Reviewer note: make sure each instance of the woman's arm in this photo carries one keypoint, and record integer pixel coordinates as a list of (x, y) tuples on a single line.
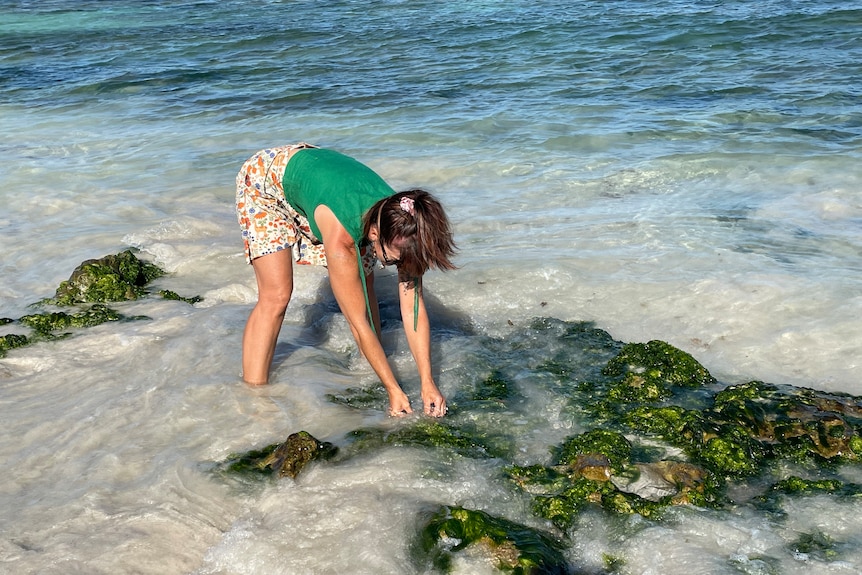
[(343, 264), (418, 331)]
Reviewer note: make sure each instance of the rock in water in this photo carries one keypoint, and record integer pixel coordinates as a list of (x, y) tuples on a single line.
[(296, 452), (512, 547), (285, 459), (118, 277)]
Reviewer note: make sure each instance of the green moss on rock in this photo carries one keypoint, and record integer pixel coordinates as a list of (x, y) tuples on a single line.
[(659, 361), (11, 341), (538, 479), (117, 277), (817, 545), (794, 419), (637, 388), (563, 508), (495, 388), (49, 322), (611, 444), (676, 425), (733, 453), (795, 485), (426, 433), (514, 548)]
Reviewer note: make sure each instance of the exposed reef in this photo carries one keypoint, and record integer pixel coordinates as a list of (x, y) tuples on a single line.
[(113, 278), (657, 431)]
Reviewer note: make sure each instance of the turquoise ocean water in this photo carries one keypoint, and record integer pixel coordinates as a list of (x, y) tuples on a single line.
[(684, 171)]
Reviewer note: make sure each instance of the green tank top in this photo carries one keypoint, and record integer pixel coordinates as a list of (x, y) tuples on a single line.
[(316, 176)]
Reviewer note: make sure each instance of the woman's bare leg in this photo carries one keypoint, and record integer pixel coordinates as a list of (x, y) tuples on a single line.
[(274, 274)]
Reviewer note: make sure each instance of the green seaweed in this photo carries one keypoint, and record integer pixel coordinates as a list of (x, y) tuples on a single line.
[(613, 563), (658, 361), (113, 278), (611, 444), (514, 548), (168, 294), (678, 426), (426, 433), (794, 422), (795, 486), (360, 397), (49, 322), (563, 508), (11, 341), (638, 388), (817, 544), (252, 462), (733, 453), (116, 277), (494, 388), (538, 479)]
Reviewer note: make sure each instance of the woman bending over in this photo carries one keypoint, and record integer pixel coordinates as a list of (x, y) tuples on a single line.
[(316, 206)]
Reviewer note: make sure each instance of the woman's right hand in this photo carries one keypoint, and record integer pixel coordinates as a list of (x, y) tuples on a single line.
[(399, 404)]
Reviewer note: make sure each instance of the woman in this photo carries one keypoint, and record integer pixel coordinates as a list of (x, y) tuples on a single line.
[(316, 206)]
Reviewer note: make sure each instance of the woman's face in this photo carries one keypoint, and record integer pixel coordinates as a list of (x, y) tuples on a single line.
[(390, 256)]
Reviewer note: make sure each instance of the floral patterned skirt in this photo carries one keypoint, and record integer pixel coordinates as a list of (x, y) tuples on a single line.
[(269, 224)]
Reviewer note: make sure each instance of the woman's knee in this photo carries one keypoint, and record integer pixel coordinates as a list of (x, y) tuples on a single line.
[(274, 274), (276, 297)]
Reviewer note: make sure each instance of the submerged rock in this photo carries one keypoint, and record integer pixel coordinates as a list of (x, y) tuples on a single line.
[(286, 459), (663, 479), (11, 341), (594, 468), (49, 322), (512, 547), (428, 433), (794, 419), (659, 432)]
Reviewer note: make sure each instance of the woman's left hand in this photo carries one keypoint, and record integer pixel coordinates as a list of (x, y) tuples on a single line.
[(433, 400)]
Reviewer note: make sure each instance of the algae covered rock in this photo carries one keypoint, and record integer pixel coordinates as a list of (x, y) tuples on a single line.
[(799, 420), (286, 459), (748, 427), (795, 487), (427, 433), (595, 468), (11, 341), (659, 362), (513, 548), (46, 323), (118, 277), (113, 278), (613, 446), (171, 295)]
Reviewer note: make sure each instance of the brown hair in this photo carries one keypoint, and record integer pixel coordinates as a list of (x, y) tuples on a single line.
[(415, 222)]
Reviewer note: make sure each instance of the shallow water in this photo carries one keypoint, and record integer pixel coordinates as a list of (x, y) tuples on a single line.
[(679, 171)]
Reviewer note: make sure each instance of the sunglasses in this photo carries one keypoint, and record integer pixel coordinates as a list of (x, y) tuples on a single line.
[(386, 260)]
